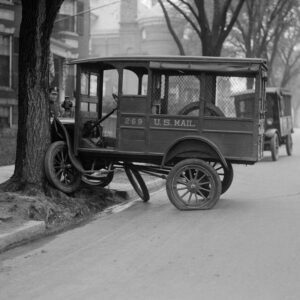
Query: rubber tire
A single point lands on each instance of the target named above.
(289, 144)
(51, 155)
(227, 174)
(137, 181)
(209, 110)
(204, 167)
(274, 146)
(103, 182)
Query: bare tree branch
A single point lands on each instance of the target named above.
(212, 38)
(171, 29)
(190, 8)
(182, 12)
(233, 18)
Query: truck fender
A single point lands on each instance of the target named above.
(269, 133)
(63, 134)
(196, 144)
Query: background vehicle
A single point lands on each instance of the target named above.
(278, 119)
(171, 117)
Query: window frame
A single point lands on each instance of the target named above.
(10, 55)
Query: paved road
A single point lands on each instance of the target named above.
(248, 247)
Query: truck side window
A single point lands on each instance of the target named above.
(158, 93)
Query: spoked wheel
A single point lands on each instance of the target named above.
(274, 145)
(226, 175)
(193, 184)
(59, 169)
(101, 177)
(137, 181)
(289, 144)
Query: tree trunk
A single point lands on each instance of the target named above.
(209, 48)
(33, 136)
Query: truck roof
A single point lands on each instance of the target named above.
(205, 63)
(269, 90)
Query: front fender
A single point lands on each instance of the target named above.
(59, 132)
(269, 133)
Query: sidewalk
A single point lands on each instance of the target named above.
(6, 172)
(12, 233)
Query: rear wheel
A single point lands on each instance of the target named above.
(274, 145)
(137, 181)
(192, 184)
(59, 169)
(226, 175)
(289, 144)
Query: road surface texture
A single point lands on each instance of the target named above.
(247, 247)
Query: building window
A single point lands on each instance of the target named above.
(5, 60)
(80, 18)
(144, 34)
(65, 20)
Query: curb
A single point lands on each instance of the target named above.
(33, 229)
(130, 195)
(127, 192)
(27, 231)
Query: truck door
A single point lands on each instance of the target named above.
(262, 110)
(132, 111)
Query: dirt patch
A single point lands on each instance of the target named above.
(59, 211)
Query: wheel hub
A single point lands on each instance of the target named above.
(63, 166)
(192, 186)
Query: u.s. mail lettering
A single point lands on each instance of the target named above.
(165, 122)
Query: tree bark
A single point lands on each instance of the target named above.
(33, 136)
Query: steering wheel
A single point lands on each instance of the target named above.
(90, 125)
(209, 109)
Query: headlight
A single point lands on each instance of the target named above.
(269, 121)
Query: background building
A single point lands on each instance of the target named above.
(130, 27)
(70, 39)
(82, 28)
(8, 62)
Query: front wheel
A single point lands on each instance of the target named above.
(59, 169)
(274, 145)
(289, 144)
(192, 184)
(137, 181)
